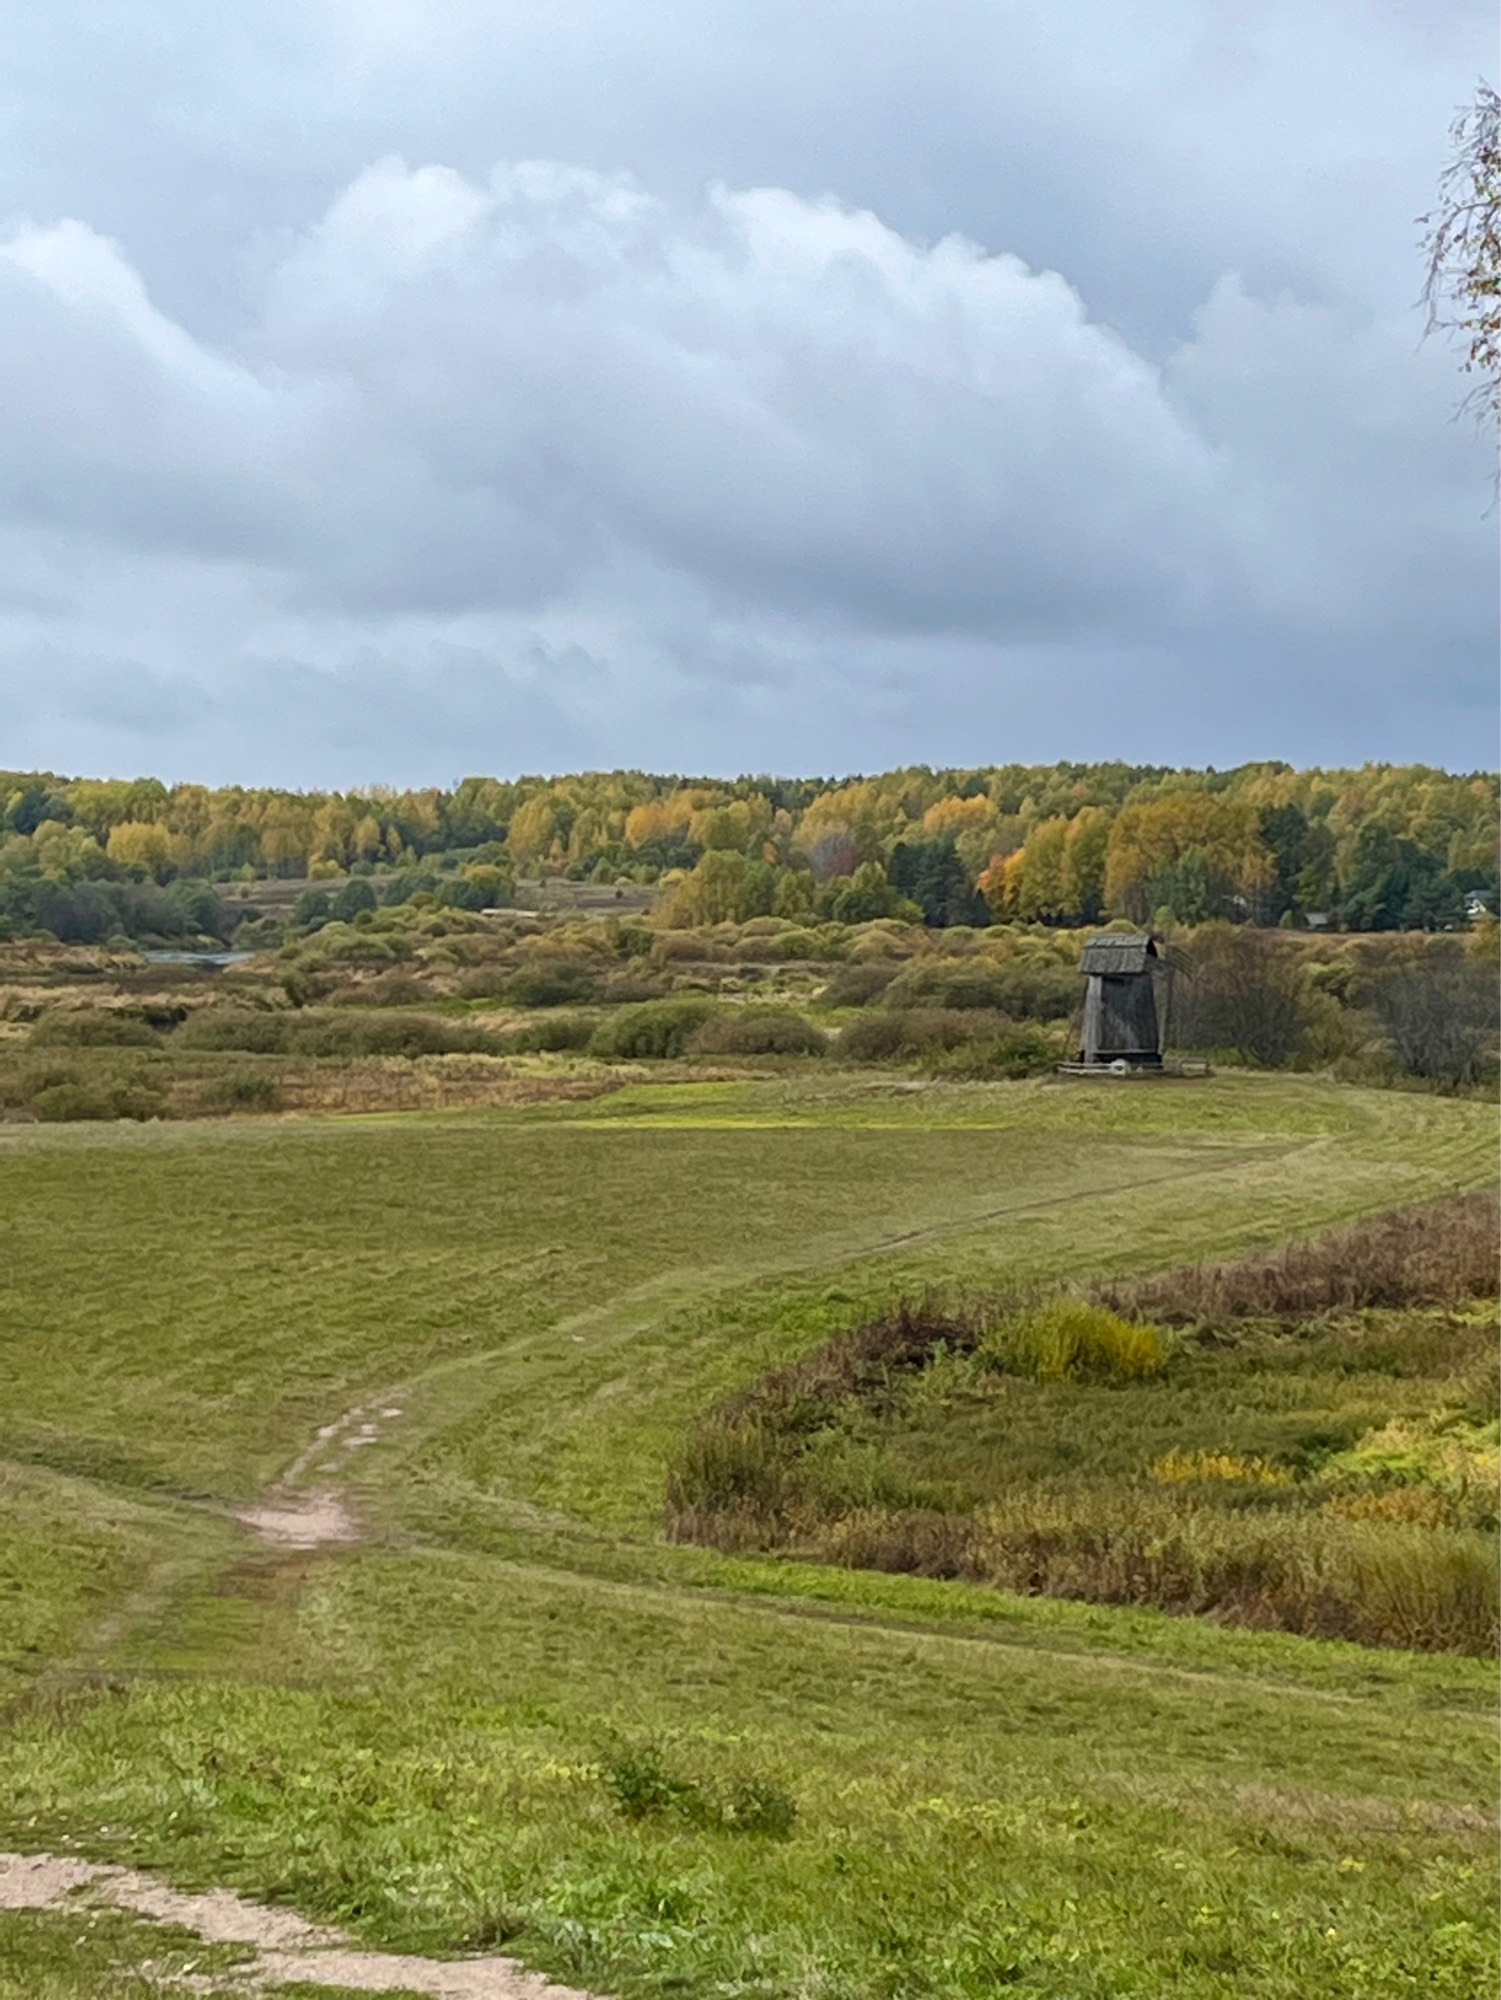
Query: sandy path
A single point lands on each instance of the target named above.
(287, 1948)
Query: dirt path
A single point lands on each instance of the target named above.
(286, 1947)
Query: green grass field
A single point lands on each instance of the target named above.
(520, 1312)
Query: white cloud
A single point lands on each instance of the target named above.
(547, 461)
(461, 397)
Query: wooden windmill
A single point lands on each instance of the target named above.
(1123, 1026)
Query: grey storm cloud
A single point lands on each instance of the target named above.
(596, 383)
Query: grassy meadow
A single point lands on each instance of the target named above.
(516, 1716)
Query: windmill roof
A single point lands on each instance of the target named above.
(1117, 952)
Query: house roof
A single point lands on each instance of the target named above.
(1117, 953)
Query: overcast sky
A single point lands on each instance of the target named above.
(395, 391)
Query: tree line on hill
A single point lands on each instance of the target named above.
(1384, 847)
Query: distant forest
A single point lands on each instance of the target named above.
(1386, 847)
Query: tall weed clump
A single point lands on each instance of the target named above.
(734, 1483)
(1071, 1339)
(644, 1784)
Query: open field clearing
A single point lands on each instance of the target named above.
(460, 1695)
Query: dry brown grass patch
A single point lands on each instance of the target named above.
(1440, 1253)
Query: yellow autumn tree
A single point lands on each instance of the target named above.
(143, 847)
(998, 884)
(1206, 845)
(1041, 895)
(534, 828)
(1084, 864)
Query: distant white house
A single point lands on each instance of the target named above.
(1476, 905)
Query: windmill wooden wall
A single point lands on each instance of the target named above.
(1121, 1020)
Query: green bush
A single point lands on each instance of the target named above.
(1022, 1051)
(655, 1030)
(1040, 992)
(857, 985)
(554, 1035)
(65, 1103)
(240, 1090)
(355, 896)
(357, 1032)
(93, 1030)
(386, 989)
(643, 1787)
(560, 982)
(214, 1028)
(902, 1033)
(948, 983)
(387, 1035)
(73, 1100)
(760, 1031)
(757, 1805)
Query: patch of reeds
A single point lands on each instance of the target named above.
(1321, 1575)
(1440, 1253)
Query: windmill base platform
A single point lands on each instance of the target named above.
(1121, 1070)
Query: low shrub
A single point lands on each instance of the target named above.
(483, 982)
(631, 985)
(70, 1101)
(67, 1103)
(387, 1035)
(643, 1787)
(554, 1035)
(349, 1032)
(904, 1541)
(551, 982)
(1335, 1480)
(733, 1483)
(653, 1031)
(759, 1031)
(857, 985)
(1022, 1051)
(387, 989)
(239, 1090)
(250, 1029)
(91, 1030)
(904, 1034)
(948, 983)
(1317, 1575)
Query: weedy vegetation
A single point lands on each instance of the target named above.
(1306, 1438)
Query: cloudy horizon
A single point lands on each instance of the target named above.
(585, 386)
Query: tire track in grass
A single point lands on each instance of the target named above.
(290, 1508)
